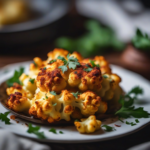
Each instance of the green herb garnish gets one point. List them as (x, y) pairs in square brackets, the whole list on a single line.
[(44, 68), (77, 120), (31, 80), (137, 121), (130, 123), (128, 109), (53, 92), (97, 39), (46, 96), (54, 104), (121, 120), (15, 78), (72, 63), (105, 76), (53, 130), (52, 61), (76, 94), (35, 130), (4, 117), (88, 69), (108, 128), (61, 132), (35, 64), (141, 41), (93, 64)]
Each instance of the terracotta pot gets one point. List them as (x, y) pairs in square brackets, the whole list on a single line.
[(136, 60)]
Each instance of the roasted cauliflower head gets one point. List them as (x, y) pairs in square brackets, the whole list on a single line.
[(67, 87), (88, 125)]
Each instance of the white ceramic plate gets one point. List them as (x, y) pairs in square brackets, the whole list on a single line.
[(129, 80)]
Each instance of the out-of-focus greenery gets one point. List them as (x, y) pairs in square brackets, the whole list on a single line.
[(141, 41), (96, 40)]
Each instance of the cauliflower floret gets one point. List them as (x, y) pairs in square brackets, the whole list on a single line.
[(35, 67), (88, 125), (28, 83), (100, 60), (50, 80), (57, 52), (18, 102), (18, 88), (88, 103), (85, 80)]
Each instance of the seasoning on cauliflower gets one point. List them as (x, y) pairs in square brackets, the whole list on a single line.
[(18, 103), (88, 125)]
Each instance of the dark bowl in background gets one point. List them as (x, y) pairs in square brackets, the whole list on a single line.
[(46, 22)]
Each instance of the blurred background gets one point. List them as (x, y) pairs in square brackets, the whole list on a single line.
[(30, 28)]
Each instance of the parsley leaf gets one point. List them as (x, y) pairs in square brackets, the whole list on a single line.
[(46, 96), (77, 120), (63, 68), (141, 41), (93, 64), (53, 130), (108, 128), (61, 132), (72, 63), (54, 104), (130, 123), (127, 110), (54, 60), (31, 80), (44, 68), (15, 78), (137, 121), (76, 94), (88, 69), (4, 117), (53, 92), (35, 64), (35, 130), (105, 76)]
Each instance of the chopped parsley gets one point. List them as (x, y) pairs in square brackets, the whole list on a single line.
[(35, 64), (137, 121), (15, 78), (35, 130), (53, 92), (88, 69), (77, 120), (76, 94), (108, 128), (52, 61), (46, 96), (4, 117), (93, 64), (72, 63), (105, 76), (53, 130), (130, 123), (44, 68), (121, 120), (31, 80), (54, 104), (141, 41), (128, 109), (61, 132), (43, 98)]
